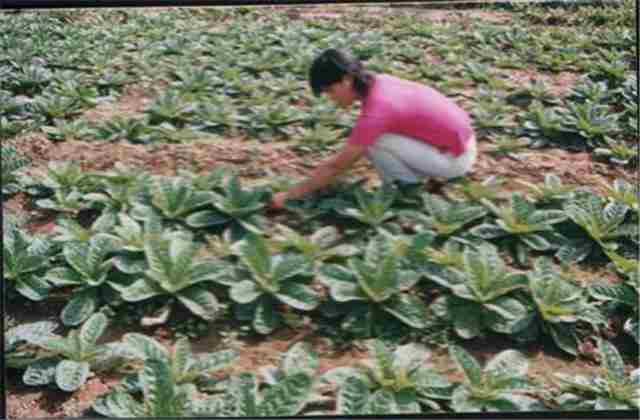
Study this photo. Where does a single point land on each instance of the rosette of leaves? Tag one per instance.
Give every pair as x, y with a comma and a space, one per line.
482, 295
560, 305
591, 120
87, 271
488, 189
375, 288
443, 217
265, 281
236, 205
118, 188
172, 106
67, 229
184, 366
172, 198
134, 130
612, 389
390, 382
623, 192
25, 258
624, 295
603, 222
617, 152
320, 138
522, 227
18, 353
544, 125
12, 162
65, 177
176, 272
321, 245
130, 237
501, 385
71, 359
550, 192
162, 396
373, 208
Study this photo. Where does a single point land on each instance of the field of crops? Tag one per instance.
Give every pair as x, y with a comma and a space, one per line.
146, 276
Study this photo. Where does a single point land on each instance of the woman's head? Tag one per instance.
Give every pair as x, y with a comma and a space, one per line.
340, 76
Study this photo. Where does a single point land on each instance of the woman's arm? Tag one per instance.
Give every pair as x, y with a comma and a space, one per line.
323, 175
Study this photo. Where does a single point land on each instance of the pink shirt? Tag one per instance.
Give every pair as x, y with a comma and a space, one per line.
411, 109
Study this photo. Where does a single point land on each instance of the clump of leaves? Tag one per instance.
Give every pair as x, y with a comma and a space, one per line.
118, 188
443, 217
610, 390
550, 192
321, 245
488, 189
560, 305
72, 358
176, 272
501, 385
18, 353
25, 259
625, 295
375, 287
481, 294
373, 208
390, 382
68, 229
522, 226
543, 125
240, 206
603, 222
278, 397
12, 162
592, 121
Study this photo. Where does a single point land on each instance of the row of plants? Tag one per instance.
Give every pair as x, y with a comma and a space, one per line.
199, 87
362, 258
392, 380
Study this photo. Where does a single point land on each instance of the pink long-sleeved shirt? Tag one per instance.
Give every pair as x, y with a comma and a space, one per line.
399, 106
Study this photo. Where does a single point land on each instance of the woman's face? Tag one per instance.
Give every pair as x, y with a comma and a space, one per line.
342, 92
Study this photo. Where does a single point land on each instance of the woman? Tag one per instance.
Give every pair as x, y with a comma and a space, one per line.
408, 131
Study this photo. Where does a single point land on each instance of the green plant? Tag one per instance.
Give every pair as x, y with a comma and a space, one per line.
25, 258
264, 281
624, 294
67, 229
373, 208
443, 217
610, 390
123, 128
18, 353
389, 382
62, 130
240, 206
12, 161
375, 287
550, 191
321, 245
522, 226
543, 125
87, 271
72, 358
477, 191
593, 121
482, 295
176, 272
602, 222
560, 304
501, 385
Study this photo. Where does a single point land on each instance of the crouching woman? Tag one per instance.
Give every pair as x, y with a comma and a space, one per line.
409, 131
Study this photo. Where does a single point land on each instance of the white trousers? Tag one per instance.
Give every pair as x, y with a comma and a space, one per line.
400, 158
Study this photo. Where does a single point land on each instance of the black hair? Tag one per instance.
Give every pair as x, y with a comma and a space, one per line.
331, 66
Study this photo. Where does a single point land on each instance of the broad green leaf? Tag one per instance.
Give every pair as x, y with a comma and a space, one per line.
288, 397
146, 347
92, 329
42, 372
206, 218
612, 361
80, 307
71, 375
117, 404
564, 337
245, 291
352, 397
159, 389
141, 290
265, 319
298, 296
200, 302
467, 364
408, 309
507, 363
181, 359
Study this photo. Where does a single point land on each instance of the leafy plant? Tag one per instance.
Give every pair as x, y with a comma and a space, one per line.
602, 222
375, 287
592, 121
481, 294
72, 358
264, 281
610, 390
625, 295
68, 229
123, 128
12, 161
25, 258
543, 124
560, 305
477, 191
18, 353
501, 385
523, 227
389, 382
321, 245
443, 217
550, 191
118, 188
87, 272
173, 198
373, 208
176, 272
235, 204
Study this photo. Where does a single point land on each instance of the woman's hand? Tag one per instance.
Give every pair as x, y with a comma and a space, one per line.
278, 200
